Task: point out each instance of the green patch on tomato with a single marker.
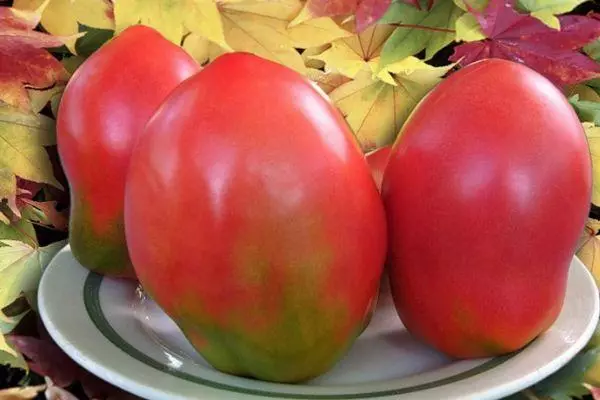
(104, 253)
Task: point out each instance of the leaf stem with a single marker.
(425, 28)
(50, 227)
(33, 240)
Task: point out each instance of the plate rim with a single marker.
(92, 303)
(108, 372)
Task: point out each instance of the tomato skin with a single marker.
(378, 160)
(486, 192)
(104, 107)
(274, 240)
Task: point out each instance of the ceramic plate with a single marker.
(110, 328)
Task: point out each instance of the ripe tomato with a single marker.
(270, 249)
(378, 160)
(487, 191)
(104, 107)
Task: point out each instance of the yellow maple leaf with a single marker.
(593, 136)
(468, 29)
(253, 26)
(375, 109)
(8, 189)
(351, 55)
(23, 138)
(166, 16)
(263, 28)
(61, 17)
(200, 48)
(327, 81)
(310, 61)
(21, 393)
(418, 71)
(589, 248)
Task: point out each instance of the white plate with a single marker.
(111, 329)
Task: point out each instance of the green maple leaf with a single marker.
(593, 50)
(469, 30)
(588, 111)
(478, 5)
(21, 267)
(567, 382)
(546, 10)
(429, 30)
(21, 230)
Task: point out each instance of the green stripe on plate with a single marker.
(91, 299)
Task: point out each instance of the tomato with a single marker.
(104, 107)
(487, 191)
(378, 160)
(272, 242)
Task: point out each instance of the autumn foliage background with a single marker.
(376, 59)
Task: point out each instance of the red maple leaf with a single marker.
(45, 358)
(24, 62)
(58, 219)
(367, 11)
(525, 39)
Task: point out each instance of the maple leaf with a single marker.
(308, 54)
(92, 40)
(21, 230)
(45, 212)
(420, 4)
(419, 29)
(21, 393)
(48, 360)
(23, 138)
(367, 12)
(21, 267)
(587, 111)
(376, 109)
(593, 50)
(585, 92)
(589, 249)
(522, 38)
(54, 392)
(592, 375)
(9, 356)
(546, 10)
(24, 62)
(594, 392)
(172, 19)
(63, 17)
(566, 383)
(26, 190)
(13, 314)
(348, 56)
(253, 26)
(593, 137)
(478, 5)
(327, 81)
(40, 98)
(8, 187)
